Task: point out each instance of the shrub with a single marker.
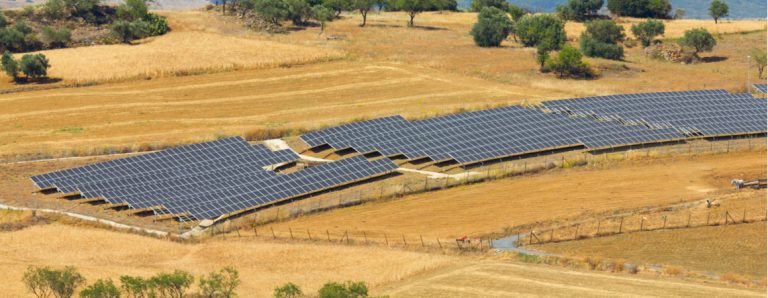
(760, 59)
(3, 21)
(601, 39)
(299, 11)
(478, 5)
(35, 66)
(337, 6)
(646, 31)
(11, 40)
(132, 10)
(56, 38)
(579, 10)
(172, 284)
(220, 284)
(533, 29)
(568, 63)
(640, 8)
(54, 9)
(516, 12)
(101, 289)
(718, 9)
(43, 282)
(10, 65)
(272, 11)
(346, 290)
(156, 25)
(698, 39)
(673, 270)
(492, 27)
(135, 286)
(288, 290)
(127, 31)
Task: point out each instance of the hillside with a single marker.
(694, 9)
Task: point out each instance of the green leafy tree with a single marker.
(346, 290)
(101, 289)
(11, 40)
(579, 10)
(43, 282)
(299, 11)
(516, 12)
(700, 40)
(81, 8)
(273, 11)
(10, 65)
(601, 39)
(56, 38)
(718, 9)
(323, 15)
(413, 8)
(55, 9)
(3, 20)
(136, 287)
(647, 31)
(132, 10)
(35, 66)
(173, 284)
(533, 29)
(568, 63)
(492, 27)
(220, 284)
(337, 6)
(363, 6)
(156, 24)
(759, 56)
(640, 8)
(288, 290)
(478, 5)
(127, 31)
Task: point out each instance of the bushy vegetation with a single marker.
(700, 40)
(659, 9)
(288, 290)
(579, 10)
(33, 66)
(533, 30)
(63, 283)
(718, 9)
(492, 27)
(647, 31)
(478, 5)
(136, 22)
(346, 290)
(602, 38)
(759, 57)
(568, 64)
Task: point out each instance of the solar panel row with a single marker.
(761, 87)
(207, 180)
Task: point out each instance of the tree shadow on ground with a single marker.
(41, 81)
(713, 59)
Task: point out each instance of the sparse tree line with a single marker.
(602, 37)
(50, 24)
(44, 282)
(301, 12)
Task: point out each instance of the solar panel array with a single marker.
(594, 122)
(691, 113)
(762, 88)
(207, 180)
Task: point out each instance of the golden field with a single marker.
(434, 68)
(721, 249)
(490, 207)
(262, 266)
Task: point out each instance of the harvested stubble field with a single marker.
(500, 279)
(263, 266)
(389, 69)
(721, 249)
(490, 207)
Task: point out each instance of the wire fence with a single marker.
(640, 223)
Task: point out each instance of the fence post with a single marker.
(255, 232)
(290, 232)
(273, 233)
(576, 236)
(744, 215)
(309, 235)
(439, 244)
(328, 234)
(530, 235)
(551, 234)
(385, 239)
(664, 226)
(346, 234)
(642, 221)
(598, 228)
(365, 237)
(517, 240)
(621, 224)
(707, 219)
(490, 244)
(422, 240)
(689, 220)
(404, 243)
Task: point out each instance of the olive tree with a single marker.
(579, 10)
(492, 27)
(700, 40)
(602, 39)
(323, 15)
(646, 31)
(533, 29)
(718, 9)
(363, 6)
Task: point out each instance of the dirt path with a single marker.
(498, 279)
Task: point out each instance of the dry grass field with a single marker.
(489, 207)
(500, 279)
(263, 266)
(720, 249)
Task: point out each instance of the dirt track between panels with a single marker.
(489, 207)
